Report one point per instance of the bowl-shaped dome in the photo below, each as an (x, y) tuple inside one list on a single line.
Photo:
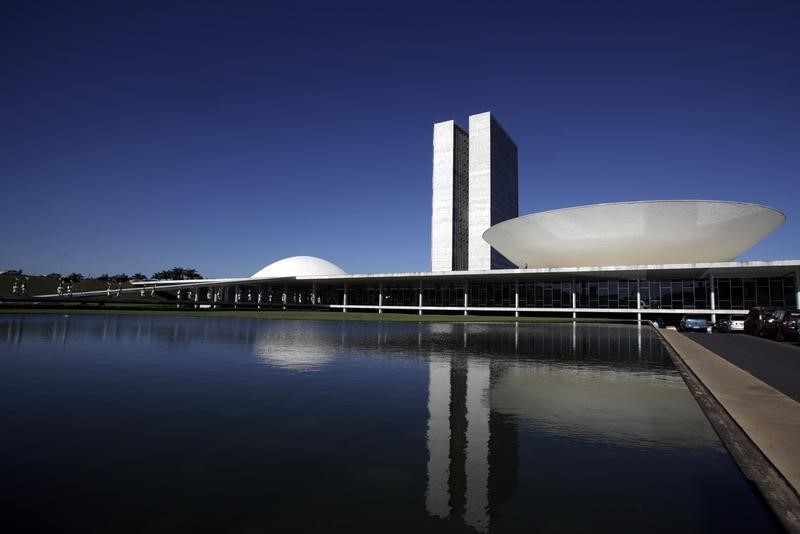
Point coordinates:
[(299, 266), (634, 233)]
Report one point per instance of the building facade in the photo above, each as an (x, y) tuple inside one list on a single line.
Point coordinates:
[(450, 210), (475, 186), (599, 260), (638, 292), (493, 188)]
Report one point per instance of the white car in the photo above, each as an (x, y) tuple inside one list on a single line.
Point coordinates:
[(734, 323)]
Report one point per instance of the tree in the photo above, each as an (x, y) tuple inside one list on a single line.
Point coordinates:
[(103, 278), (138, 276), (75, 277), (121, 277), (178, 273)]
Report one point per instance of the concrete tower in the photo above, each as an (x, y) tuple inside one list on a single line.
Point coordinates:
[(449, 228), (474, 187)]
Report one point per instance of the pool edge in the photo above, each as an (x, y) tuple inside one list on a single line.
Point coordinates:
[(758, 450)]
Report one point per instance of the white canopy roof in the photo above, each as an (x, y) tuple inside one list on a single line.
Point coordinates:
[(631, 233)]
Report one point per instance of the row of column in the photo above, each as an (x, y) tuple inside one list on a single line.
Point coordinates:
[(574, 297), (236, 299)]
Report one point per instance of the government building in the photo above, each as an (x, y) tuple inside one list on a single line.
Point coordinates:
[(640, 260)]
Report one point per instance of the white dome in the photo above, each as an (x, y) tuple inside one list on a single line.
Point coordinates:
[(299, 266), (634, 233)]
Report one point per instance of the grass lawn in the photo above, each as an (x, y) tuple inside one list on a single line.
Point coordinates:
[(297, 315)]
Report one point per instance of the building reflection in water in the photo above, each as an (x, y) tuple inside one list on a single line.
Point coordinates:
[(598, 385), (473, 456), (296, 348), (591, 384)]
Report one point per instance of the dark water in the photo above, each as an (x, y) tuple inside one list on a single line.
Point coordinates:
[(143, 424)]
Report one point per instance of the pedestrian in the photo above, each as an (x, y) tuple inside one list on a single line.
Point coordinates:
[(15, 289), (60, 289), (108, 289), (119, 290)]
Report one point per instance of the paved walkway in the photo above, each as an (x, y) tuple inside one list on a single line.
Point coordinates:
[(775, 363), (770, 419)]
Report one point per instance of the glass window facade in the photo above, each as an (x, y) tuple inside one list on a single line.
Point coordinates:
[(611, 294), (744, 293)]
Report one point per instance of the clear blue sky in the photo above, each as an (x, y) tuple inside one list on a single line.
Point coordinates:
[(223, 136)]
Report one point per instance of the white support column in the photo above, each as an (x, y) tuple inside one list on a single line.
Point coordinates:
[(466, 297), (196, 297), (313, 294), (344, 299), (380, 298), (420, 297), (574, 301), (797, 288), (236, 297), (516, 297), (713, 299), (638, 302)]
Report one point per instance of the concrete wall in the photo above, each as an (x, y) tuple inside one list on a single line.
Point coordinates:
[(493, 187), (442, 212)]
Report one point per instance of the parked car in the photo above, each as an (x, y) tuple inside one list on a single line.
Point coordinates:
[(754, 324), (693, 322), (731, 324), (782, 324)]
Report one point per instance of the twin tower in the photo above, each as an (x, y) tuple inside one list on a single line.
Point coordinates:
[(475, 186)]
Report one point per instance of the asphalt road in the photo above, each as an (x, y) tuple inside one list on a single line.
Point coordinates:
[(776, 363)]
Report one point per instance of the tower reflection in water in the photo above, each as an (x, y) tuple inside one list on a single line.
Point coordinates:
[(605, 387), (473, 459), (464, 439)]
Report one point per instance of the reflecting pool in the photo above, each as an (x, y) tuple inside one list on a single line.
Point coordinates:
[(177, 424)]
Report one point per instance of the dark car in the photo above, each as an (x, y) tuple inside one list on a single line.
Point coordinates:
[(758, 316), (693, 322), (782, 324)]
